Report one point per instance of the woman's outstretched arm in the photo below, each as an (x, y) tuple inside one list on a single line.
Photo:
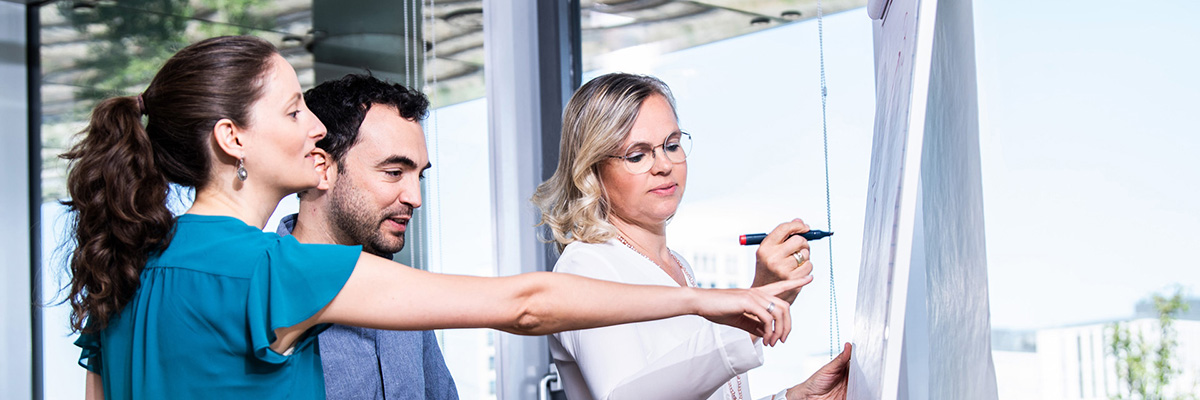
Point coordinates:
[(386, 295), (94, 389)]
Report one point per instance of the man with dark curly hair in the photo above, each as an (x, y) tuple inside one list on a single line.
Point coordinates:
[(370, 184)]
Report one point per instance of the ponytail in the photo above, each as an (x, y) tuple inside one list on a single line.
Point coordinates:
[(118, 198), (119, 172)]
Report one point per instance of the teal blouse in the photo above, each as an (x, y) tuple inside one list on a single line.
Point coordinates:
[(202, 321)]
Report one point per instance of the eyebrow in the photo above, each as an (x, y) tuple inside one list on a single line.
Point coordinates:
[(677, 131), (293, 100), (402, 160)]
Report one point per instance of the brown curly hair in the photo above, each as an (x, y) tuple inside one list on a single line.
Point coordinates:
[(119, 172)]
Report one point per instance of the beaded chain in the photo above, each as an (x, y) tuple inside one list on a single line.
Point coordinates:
[(687, 276), (738, 395), (691, 282)]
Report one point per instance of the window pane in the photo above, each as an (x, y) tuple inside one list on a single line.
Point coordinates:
[(89, 53), (97, 50), (1088, 143), (458, 190), (749, 94)]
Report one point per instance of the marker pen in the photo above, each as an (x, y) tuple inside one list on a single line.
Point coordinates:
[(756, 238)]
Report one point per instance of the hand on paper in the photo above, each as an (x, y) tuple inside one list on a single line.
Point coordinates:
[(828, 383)]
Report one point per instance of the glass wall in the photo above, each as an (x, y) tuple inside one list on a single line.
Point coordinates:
[(458, 206), (92, 50), (731, 104), (1086, 153), (747, 86), (1088, 139), (1086, 143)]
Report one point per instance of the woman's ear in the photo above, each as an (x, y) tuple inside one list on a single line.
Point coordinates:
[(326, 169), (227, 134)]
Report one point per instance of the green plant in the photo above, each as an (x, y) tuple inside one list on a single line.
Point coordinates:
[(130, 40), (1145, 368)]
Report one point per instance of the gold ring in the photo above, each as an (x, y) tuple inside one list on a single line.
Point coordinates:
[(799, 258)]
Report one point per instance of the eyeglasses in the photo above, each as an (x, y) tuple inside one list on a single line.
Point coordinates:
[(639, 157)]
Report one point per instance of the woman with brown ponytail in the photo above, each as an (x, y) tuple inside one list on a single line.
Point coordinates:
[(207, 305)]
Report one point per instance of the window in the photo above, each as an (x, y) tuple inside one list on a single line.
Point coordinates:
[(1088, 147), (95, 50), (750, 95), (1086, 154)]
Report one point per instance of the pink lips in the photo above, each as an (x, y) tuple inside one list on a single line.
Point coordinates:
[(665, 190), (399, 224)]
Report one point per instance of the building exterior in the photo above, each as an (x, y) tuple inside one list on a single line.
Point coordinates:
[(1076, 362), (720, 266)]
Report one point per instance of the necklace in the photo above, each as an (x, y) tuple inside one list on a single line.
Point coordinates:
[(738, 395), (691, 282), (687, 276)]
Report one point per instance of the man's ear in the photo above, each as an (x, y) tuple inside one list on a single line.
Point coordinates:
[(326, 169), (227, 134)]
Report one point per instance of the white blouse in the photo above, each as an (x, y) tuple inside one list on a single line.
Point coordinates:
[(684, 357)]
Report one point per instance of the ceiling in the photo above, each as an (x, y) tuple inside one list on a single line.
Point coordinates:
[(93, 49), (325, 38)]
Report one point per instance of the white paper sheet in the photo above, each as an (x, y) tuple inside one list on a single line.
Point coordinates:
[(922, 325)]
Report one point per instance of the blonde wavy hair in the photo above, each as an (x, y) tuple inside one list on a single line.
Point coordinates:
[(596, 121)]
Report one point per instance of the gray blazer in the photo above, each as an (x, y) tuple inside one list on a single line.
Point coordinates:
[(361, 363)]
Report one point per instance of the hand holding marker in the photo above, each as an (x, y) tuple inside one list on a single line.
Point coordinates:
[(756, 238)]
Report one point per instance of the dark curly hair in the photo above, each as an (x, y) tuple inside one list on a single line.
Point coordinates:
[(119, 172), (342, 105)]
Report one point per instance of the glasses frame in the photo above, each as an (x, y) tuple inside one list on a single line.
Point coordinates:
[(654, 154)]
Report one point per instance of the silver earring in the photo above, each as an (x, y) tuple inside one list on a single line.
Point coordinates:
[(241, 170)]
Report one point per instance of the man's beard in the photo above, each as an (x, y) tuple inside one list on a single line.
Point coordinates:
[(351, 213)]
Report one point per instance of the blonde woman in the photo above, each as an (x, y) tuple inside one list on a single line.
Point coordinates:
[(622, 172)]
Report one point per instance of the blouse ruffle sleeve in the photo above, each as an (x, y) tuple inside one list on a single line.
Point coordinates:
[(294, 283), (90, 356)]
